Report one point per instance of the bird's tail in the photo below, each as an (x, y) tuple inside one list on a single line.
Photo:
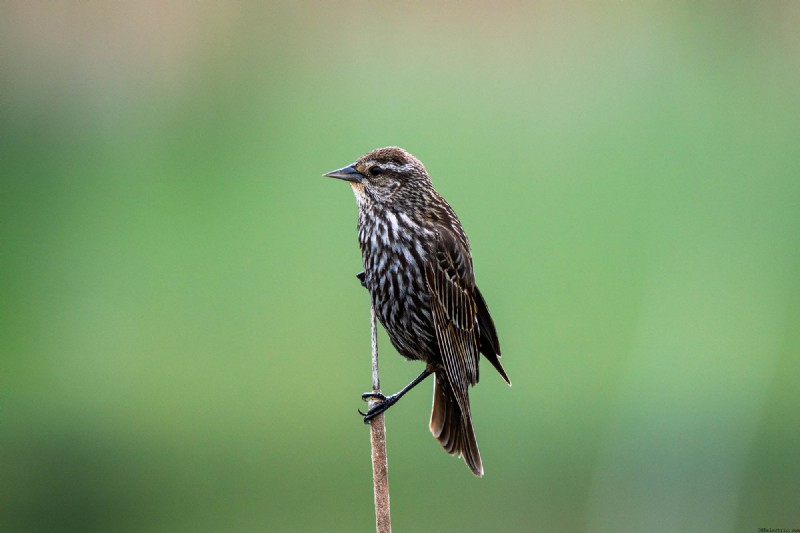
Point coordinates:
[(452, 428)]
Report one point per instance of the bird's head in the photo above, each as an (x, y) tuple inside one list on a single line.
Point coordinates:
[(385, 176)]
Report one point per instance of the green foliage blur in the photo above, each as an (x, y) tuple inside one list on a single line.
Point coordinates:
[(183, 341)]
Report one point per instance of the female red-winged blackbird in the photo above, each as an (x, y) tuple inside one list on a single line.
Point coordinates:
[(418, 270)]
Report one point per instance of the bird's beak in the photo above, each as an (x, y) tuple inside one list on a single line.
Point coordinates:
[(346, 174)]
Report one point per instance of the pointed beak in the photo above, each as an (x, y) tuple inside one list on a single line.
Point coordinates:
[(347, 174)]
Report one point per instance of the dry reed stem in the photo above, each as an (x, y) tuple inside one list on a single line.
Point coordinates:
[(380, 470)]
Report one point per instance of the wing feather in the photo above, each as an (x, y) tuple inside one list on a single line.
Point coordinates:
[(451, 288)]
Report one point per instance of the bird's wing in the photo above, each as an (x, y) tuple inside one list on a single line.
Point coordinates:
[(451, 286), (488, 344)]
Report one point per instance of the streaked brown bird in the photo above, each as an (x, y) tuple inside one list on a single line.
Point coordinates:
[(418, 271)]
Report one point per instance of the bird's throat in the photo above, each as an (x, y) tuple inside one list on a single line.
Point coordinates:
[(358, 191)]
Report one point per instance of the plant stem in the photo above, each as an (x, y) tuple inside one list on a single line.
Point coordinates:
[(380, 470)]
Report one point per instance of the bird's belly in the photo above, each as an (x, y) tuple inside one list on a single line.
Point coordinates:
[(402, 304)]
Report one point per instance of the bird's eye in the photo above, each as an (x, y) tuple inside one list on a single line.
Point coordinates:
[(375, 170)]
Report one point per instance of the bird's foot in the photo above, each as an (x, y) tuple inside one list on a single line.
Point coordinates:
[(376, 408)]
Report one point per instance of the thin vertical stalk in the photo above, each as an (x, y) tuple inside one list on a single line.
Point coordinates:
[(380, 470)]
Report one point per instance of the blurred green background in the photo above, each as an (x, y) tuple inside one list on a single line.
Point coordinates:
[(183, 339)]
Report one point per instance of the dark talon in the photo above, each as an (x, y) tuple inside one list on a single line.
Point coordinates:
[(367, 395), (362, 277), (384, 403)]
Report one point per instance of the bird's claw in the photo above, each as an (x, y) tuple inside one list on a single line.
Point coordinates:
[(378, 407), (367, 395)]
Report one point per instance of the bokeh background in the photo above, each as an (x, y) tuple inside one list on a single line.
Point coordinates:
[(183, 339)]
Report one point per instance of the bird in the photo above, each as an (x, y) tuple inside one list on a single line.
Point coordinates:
[(419, 274)]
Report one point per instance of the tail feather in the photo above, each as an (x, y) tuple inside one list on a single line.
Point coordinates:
[(452, 428)]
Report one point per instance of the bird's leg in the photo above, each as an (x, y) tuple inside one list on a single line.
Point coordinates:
[(386, 402), (362, 277)]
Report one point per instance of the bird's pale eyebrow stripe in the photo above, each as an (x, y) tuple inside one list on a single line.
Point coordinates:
[(395, 167)]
